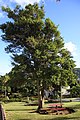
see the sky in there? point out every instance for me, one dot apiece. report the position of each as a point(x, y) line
point(65, 13)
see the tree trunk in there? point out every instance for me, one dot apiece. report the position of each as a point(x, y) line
point(5, 91)
point(40, 97)
point(60, 93)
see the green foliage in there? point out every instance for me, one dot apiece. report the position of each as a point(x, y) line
point(75, 91)
point(4, 87)
point(37, 49)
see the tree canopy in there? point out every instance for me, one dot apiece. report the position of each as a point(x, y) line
point(37, 47)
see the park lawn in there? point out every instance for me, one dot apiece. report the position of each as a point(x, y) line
point(18, 111)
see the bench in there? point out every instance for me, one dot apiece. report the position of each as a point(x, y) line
point(58, 109)
point(56, 105)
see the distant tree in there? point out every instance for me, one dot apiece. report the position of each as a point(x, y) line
point(75, 91)
point(37, 48)
point(3, 84)
point(77, 72)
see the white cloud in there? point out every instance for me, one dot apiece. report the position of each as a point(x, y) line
point(24, 2)
point(71, 47)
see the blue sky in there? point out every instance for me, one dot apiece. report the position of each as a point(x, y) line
point(65, 13)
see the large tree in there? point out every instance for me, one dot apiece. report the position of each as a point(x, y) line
point(37, 47)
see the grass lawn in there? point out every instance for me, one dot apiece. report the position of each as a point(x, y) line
point(18, 111)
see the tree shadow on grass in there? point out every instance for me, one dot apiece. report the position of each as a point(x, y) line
point(58, 118)
point(64, 118)
point(76, 106)
point(25, 119)
point(20, 109)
